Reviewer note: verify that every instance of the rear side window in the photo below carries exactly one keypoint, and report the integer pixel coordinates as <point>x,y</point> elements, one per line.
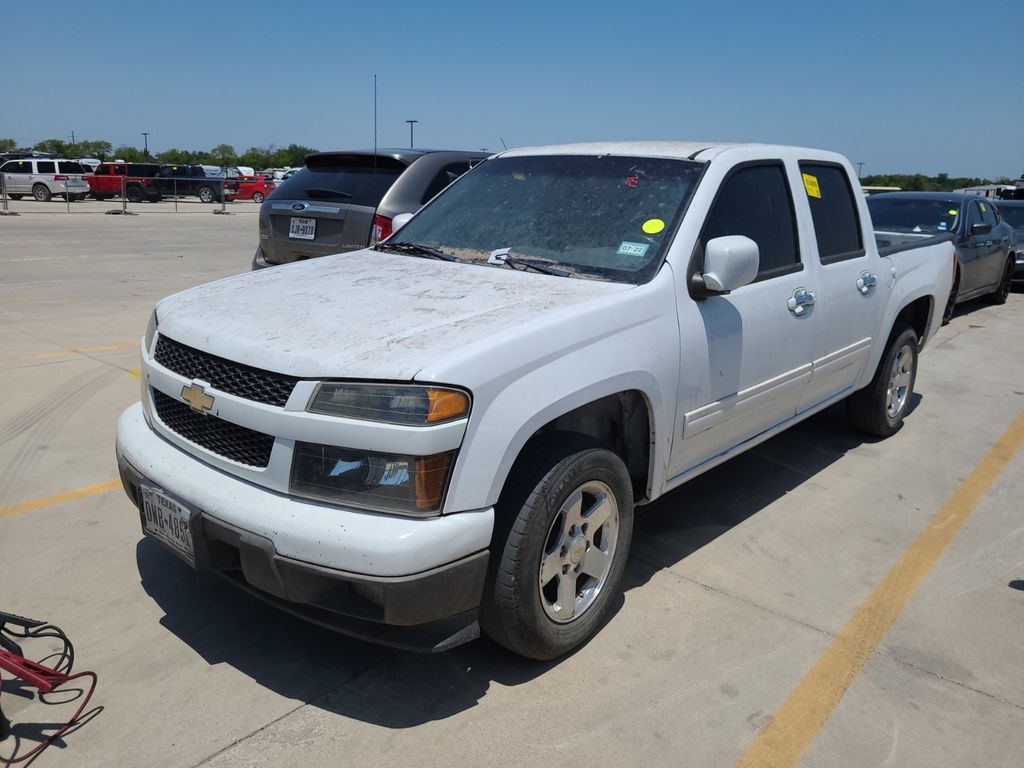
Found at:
<point>352,179</point>
<point>755,201</point>
<point>45,166</point>
<point>446,176</point>
<point>834,212</point>
<point>66,166</point>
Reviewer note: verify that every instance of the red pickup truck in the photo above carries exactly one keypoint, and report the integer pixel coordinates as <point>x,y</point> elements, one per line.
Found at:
<point>134,180</point>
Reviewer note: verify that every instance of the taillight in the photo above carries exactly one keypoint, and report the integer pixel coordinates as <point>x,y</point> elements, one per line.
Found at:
<point>381,229</point>
<point>60,178</point>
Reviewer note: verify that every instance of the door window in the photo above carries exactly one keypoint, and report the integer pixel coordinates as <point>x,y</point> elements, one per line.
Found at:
<point>45,166</point>
<point>973,216</point>
<point>834,212</point>
<point>755,201</point>
<point>988,215</point>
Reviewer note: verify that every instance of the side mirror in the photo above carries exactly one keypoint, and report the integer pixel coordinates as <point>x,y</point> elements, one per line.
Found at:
<point>980,229</point>
<point>730,262</point>
<point>400,221</point>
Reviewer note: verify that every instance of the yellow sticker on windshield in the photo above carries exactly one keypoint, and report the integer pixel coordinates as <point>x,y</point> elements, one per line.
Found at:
<point>811,185</point>
<point>653,226</point>
<point>953,211</point>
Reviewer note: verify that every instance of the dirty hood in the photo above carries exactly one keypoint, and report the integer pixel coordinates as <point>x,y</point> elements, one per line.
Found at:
<point>364,314</point>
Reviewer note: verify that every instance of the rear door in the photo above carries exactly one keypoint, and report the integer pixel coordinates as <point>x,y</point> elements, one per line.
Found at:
<point>998,244</point>
<point>973,251</point>
<point>747,355</point>
<point>328,206</point>
<point>850,290</point>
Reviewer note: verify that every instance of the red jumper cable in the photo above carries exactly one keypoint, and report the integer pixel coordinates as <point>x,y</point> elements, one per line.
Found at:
<point>36,675</point>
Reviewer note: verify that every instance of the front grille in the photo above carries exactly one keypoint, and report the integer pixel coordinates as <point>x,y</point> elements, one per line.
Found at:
<point>225,375</point>
<point>241,444</point>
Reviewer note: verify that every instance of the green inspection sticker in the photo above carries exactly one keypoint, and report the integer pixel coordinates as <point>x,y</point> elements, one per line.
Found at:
<point>627,248</point>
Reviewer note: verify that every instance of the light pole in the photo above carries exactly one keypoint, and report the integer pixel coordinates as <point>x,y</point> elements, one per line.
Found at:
<point>411,124</point>
<point>860,166</point>
<point>145,139</point>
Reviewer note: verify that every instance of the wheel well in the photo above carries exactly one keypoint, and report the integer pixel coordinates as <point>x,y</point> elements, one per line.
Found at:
<point>917,314</point>
<point>622,422</point>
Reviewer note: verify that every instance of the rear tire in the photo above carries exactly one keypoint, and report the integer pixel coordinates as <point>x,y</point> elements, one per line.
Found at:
<point>206,194</point>
<point>562,534</point>
<point>1002,291</point>
<point>880,407</point>
<point>42,193</point>
<point>257,197</point>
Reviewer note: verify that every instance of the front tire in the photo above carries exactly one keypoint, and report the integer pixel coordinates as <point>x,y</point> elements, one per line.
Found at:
<point>880,407</point>
<point>1002,291</point>
<point>568,513</point>
<point>257,197</point>
<point>134,194</point>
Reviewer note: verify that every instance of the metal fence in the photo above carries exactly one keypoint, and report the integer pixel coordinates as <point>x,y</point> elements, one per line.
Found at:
<point>183,193</point>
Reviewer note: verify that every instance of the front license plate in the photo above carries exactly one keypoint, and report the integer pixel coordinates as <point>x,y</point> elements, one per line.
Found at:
<point>168,521</point>
<point>302,229</point>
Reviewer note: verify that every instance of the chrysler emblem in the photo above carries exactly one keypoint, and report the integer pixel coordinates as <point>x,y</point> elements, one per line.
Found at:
<point>197,398</point>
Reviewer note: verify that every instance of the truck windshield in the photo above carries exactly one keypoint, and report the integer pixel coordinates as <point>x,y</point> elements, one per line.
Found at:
<point>606,217</point>
<point>917,215</point>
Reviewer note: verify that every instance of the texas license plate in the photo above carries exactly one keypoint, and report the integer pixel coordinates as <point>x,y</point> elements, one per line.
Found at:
<point>168,521</point>
<point>302,229</point>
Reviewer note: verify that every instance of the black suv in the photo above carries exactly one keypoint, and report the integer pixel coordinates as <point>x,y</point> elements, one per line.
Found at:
<point>343,201</point>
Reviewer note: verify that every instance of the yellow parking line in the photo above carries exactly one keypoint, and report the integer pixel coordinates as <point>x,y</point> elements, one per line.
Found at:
<point>796,724</point>
<point>81,351</point>
<point>57,498</point>
<point>135,373</point>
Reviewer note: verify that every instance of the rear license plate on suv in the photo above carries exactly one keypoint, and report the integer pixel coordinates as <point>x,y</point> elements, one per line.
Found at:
<point>303,229</point>
<point>168,521</point>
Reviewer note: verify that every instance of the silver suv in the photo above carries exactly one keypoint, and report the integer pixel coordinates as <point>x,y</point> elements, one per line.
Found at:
<point>44,177</point>
<point>343,201</point>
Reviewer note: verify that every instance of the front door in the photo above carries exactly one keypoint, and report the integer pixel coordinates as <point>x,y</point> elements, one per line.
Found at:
<point>747,355</point>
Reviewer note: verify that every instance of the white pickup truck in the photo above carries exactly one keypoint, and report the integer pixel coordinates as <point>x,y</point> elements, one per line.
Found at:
<point>450,431</point>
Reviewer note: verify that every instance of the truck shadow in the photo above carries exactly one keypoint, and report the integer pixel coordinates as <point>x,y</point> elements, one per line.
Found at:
<point>398,689</point>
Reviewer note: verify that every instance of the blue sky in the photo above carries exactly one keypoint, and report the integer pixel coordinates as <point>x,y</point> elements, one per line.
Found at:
<point>903,86</point>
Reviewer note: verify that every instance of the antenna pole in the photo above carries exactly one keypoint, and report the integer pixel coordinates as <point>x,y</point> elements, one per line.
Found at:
<point>374,123</point>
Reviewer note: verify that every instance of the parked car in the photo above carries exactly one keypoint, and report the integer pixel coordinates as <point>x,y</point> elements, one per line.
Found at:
<point>44,178</point>
<point>1012,212</point>
<point>451,429</point>
<point>134,180</point>
<point>341,201</point>
<point>985,252</point>
<point>188,180</point>
<point>255,188</point>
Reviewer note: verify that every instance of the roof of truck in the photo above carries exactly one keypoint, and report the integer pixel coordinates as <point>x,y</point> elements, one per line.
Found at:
<point>691,150</point>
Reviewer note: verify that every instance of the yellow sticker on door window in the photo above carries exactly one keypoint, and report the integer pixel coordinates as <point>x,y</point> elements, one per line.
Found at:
<point>811,185</point>
<point>653,226</point>
<point>982,206</point>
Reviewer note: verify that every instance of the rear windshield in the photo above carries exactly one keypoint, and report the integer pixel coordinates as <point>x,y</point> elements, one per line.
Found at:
<point>66,166</point>
<point>1014,215</point>
<point>354,180</point>
<point>917,215</point>
<point>606,217</point>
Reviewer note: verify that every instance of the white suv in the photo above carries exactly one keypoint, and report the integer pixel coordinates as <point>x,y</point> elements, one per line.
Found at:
<point>43,178</point>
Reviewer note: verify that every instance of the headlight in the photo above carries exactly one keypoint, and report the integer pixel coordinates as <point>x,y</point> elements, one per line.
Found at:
<point>154,323</point>
<point>405,404</point>
<point>408,485</point>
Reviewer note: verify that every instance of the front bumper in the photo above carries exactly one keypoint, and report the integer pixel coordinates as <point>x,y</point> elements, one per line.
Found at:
<point>363,591</point>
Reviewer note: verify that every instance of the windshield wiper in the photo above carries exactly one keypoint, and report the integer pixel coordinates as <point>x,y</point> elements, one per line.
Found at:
<point>534,264</point>
<point>415,249</point>
<point>326,193</point>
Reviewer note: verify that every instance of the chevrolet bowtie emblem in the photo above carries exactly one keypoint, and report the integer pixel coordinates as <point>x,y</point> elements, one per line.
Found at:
<point>197,398</point>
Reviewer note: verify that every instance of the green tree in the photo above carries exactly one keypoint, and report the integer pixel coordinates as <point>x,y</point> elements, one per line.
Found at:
<point>6,145</point>
<point>224,154</point>
<point>54,146</point>
<point>97,149</point>
<point>129,154</point>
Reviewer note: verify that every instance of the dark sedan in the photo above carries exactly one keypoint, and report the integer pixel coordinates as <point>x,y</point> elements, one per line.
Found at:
<point>985,244</point>
<point>1013,214</point>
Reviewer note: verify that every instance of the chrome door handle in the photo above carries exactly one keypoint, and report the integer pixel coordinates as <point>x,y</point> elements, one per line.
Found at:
<point>800,301</point>
<point>866,282</point>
